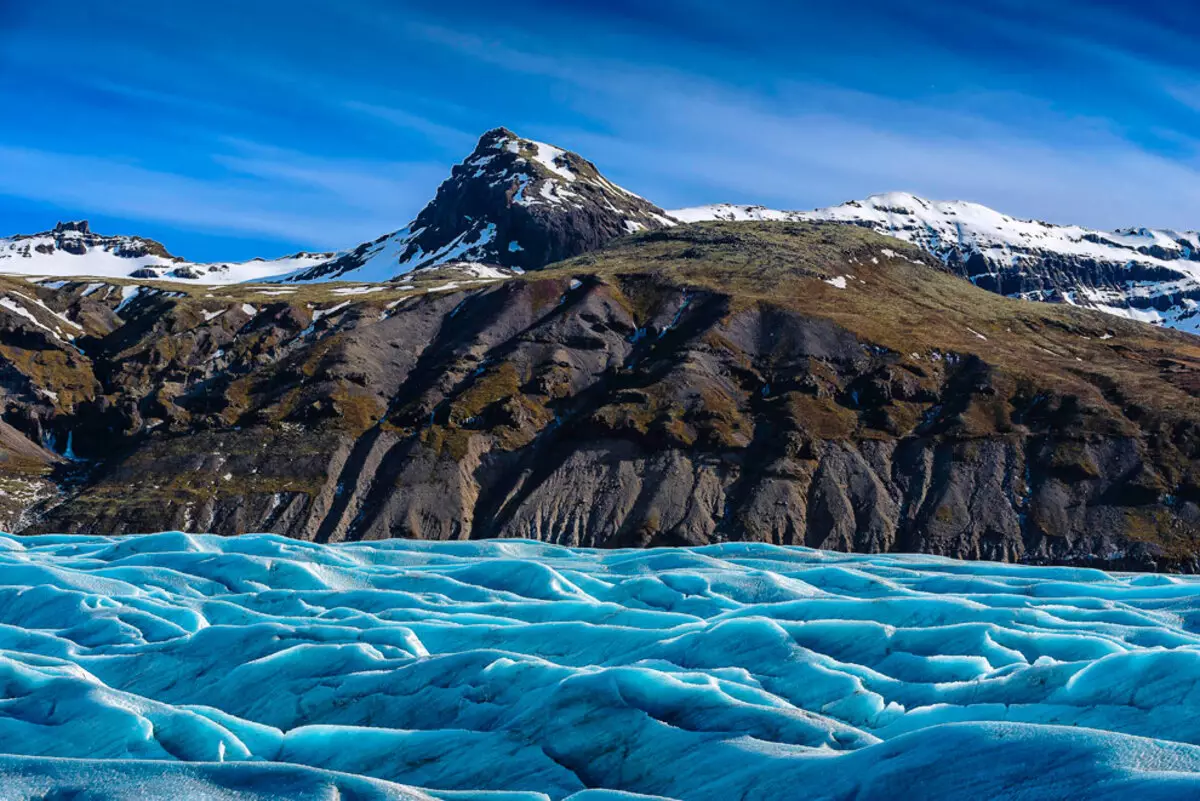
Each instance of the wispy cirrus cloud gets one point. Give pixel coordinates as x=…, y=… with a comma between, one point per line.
x=254, y=189
x=677, y=137
x=444, y=135
x=220, y=119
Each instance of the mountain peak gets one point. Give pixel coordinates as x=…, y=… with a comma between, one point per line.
x=79, y=226
x=499, y=134
x=513, y=202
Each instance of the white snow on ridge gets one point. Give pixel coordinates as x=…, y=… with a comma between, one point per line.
x=535, y=175
x=935, y=225
x=732, y=213
x=930, y=223
x=731, y=671
x=129, y=293
x=473, y=269
x=21, y=256
x=385, y=259
x=955, y=229
x=544, y=154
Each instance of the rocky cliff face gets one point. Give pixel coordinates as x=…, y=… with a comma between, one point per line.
x=513, y=202
x=788, y=383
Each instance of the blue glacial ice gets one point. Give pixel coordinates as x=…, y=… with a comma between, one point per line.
x=183, y=666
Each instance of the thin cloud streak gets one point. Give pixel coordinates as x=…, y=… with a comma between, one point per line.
x=681, y=135
x=1046, y=111
x=443, y=135
x=321, y=208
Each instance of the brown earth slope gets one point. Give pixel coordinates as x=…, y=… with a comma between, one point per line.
x=784, y=382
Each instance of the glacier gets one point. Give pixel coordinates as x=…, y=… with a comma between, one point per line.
x=194, y=666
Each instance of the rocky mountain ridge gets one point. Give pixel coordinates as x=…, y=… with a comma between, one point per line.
x=1145, y=274
x=513, y=202
x=799, y=383
x=518, y=204
x=73, y=249
x=766, y=379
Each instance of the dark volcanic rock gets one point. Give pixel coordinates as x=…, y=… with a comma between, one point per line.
x=694, y=385
x=515, y=203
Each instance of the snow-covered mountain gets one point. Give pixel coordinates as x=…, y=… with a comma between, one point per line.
x=1140, y=273
x=513, y=202
x=73, y=249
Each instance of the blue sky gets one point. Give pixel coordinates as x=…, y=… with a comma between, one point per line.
x=230, y=130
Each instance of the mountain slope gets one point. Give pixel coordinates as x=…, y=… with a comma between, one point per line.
x=513, y=202
x=788, y=383
x=72, y=249
x=1143, y=274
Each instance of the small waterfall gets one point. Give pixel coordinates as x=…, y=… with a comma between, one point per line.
x=69, y=453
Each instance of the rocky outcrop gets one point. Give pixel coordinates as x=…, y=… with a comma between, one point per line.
x=791, y=383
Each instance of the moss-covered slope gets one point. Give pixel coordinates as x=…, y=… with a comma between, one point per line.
x=784, y=382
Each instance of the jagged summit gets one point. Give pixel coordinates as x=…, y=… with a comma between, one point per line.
x=512, y=202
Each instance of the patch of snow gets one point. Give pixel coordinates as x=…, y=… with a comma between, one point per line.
x=61, y=318
x=320, y=313
x=129, y=293
x=16, y=308
x=547, y=156
x=356, y=290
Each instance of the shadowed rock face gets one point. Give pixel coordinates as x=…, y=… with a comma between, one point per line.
x=513, y=202
x=779, y=382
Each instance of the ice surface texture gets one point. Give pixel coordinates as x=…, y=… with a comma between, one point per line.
x=256, y=667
